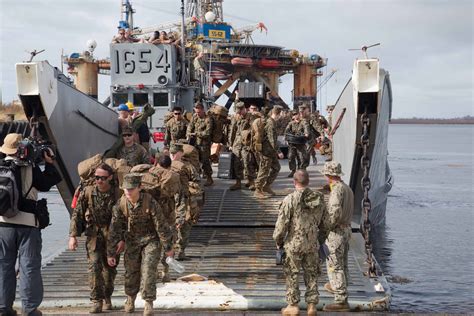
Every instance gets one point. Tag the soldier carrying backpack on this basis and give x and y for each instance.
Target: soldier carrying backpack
(21, 218)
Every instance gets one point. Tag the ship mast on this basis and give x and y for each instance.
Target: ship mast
(127, 15)
(199, 8)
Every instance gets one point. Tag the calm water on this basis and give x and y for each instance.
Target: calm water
(427, 248)
(428, 251)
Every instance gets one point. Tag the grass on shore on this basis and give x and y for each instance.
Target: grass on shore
(11, 108)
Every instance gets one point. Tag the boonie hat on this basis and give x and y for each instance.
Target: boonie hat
(132, 181)
(10, 143)
(123, 107)
(332, 168)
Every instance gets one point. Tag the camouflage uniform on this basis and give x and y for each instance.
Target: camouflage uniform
(202, 128)
(300, 228)
(134, 155)
(269, 164)
(142, 228)
(169, 186)
(298, 151)
(340, 210)
(240, 128)
(175, 130)
(182, 203)
(93, 215)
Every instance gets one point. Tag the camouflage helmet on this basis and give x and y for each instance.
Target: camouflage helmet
(174, 148)
(332, 168)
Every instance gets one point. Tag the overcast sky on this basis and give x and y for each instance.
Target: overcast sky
(427, 46)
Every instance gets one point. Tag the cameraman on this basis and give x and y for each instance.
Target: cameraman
(19, 235)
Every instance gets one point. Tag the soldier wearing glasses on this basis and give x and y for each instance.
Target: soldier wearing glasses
(92, 216)
(176, 127)
(133, 153)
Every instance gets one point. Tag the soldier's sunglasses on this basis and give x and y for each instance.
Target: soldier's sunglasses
(127, 135)
(103, 178)
(177, 113)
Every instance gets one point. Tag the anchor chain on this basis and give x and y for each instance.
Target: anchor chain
(365, 182)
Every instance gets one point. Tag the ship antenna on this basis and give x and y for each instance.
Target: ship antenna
(33, 54)
(364, 49)
(182, 46)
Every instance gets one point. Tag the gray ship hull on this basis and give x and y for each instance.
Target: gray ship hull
(77, 124)
(347, 148)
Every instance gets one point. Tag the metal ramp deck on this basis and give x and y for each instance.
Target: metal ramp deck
(233, 247)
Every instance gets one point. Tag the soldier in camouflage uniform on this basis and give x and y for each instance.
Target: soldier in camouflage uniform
(138, 226)
(340, 210)
(239, 141)
(176, 127)
(92, 216)
(200, 129)
(170, 185)
(133, 153)
(184, 220)
(300, 229)
(297, 151)
(269, 164)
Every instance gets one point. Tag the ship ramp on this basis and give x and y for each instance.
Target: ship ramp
(232, 247)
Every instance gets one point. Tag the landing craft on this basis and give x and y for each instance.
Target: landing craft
(231, 65)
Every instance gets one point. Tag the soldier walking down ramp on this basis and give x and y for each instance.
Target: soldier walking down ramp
(175, 127)
(300, 228)
(138, 226)
(93, 214)
(264, 140)
(239, 140)
(200, 129)
(340, 209)
(133, 153)
(297, 133)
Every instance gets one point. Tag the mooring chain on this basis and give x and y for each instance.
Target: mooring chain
(365, 182)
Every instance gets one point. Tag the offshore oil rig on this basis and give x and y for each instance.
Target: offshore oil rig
(229, 63)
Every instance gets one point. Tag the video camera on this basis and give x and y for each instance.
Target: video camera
(32, 150)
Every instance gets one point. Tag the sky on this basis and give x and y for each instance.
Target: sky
(426, 45)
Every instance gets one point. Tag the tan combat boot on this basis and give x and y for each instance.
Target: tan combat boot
(267, 189)
(107, 304)
(259, 194)
(311, 310)
(290, 310)
(148, 310)
(337, 307)
(96, 307)
(329, 288)
(236, 186)
(209, 182)
(130, 304)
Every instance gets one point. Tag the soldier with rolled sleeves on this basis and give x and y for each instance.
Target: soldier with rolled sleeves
(175, 127)
(133, 153)
(184, 220)
(269, 154)
(340, 210)
(92, 216)
(300, 228)
(297, 151)
(138, 226)
(200, 129)
(239, 129)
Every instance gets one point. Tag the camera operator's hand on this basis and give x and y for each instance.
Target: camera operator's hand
(72, 243)
(111, 261)
(48, 156)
